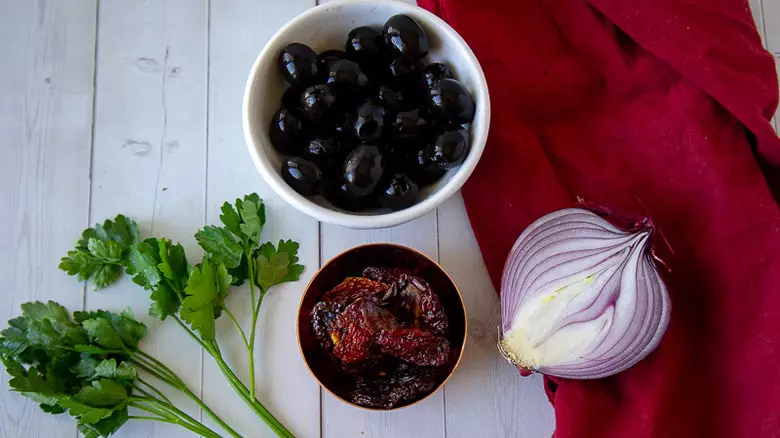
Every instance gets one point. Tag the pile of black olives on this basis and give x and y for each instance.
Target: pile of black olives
(367, 126)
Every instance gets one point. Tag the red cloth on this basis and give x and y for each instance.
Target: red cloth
(667, 101)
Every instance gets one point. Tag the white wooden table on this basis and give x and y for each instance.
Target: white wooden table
(134, 107)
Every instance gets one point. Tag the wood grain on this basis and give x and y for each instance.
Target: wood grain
(47, 59)
(238, 31)
(486, 396)
(150, 154)
(168, 150)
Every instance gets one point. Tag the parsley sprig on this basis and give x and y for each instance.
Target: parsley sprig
(236, 246)
(87, 365)
(195, 296)
(99, 253)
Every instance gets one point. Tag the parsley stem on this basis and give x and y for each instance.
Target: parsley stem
(259, 302)
(166, 416)
(245, 395)
(151, 388)
(251, 344)
(153, 410)
(210, 413)
(213, 349)
(154, 371)
(236, 324)
(200, 430)
(146, 418)
(183, 415)
(160, 366)
(178, 384)
(189, 332)
(175, 421)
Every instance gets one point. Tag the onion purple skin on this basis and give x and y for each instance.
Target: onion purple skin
(576, 249)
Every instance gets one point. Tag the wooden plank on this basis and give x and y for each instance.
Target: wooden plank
(486, 396)
(771, 16)
(150, 154)
(239, 29)
(423, 420)
(47, 59)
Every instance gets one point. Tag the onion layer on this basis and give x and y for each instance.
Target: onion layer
(581, 298)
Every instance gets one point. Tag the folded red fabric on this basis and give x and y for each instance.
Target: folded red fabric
(667, 102)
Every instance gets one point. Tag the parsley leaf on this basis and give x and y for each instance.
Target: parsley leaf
(275, 265)
(252, 211)
(206, 290)
(101, 393)
(83, 412)
(43, 326)
(160, 266)
(142, 264)
(37, 311)
(245, 219)
(72, 365)
(105, 427)
(102, 333)
(110, 330)
(221, 245)
(34, 386)
(232, 243)
(99, 253)
(110, 370)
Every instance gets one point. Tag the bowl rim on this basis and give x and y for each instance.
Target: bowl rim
(404, 247)
(357, 221)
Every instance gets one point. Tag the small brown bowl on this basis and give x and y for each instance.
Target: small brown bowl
(351, 263)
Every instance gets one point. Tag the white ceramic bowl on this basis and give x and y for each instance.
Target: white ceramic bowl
(326, 27)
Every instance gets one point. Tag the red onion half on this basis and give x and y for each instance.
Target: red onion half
(581, 298)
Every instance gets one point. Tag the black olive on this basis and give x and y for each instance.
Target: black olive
(399, 193)
(286, 132)
(449, 100)
(317, 101)
(340, 195)
(389, 98)
(291, 99)
(411, 143)
(303, 176)
(450, 147)
(403, 74)
(369, 121)
(416, 121)
(423, 169)
(405, 38)
(299, 64)
(365, 45)
(323, 152)
(434, 72)
(329, 57)
(347, 74)
(364, 169)
(336, 125)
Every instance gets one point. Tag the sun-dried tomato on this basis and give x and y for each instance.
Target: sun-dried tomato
(424, 307)
(323, 316)
(389, 329)
(404, 382)
(356, 329)
(415, 345)
(354, 288)
(386, 275)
